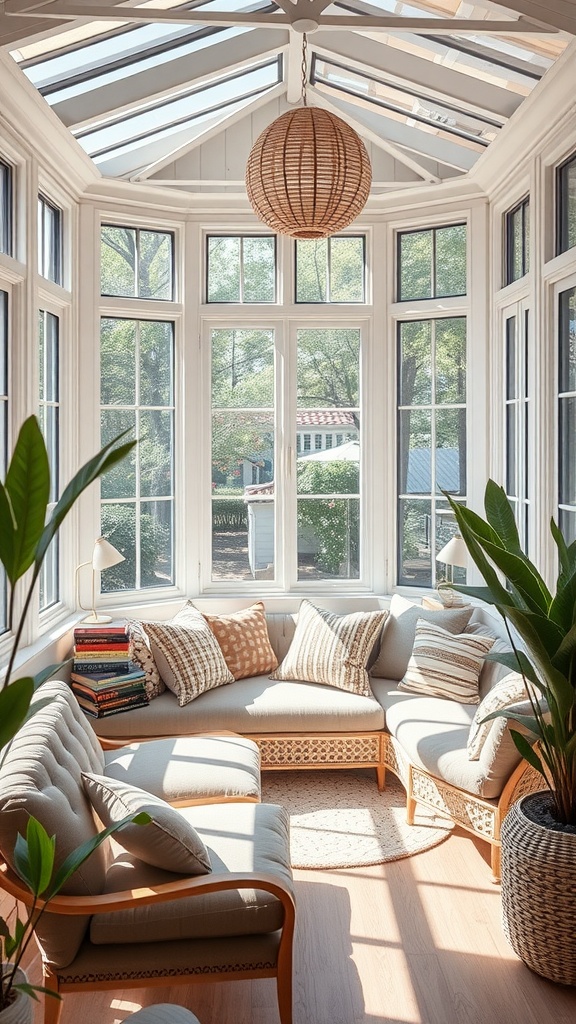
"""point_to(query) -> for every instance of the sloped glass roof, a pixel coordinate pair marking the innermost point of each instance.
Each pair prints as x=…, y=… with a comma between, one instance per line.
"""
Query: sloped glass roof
x=402, y=72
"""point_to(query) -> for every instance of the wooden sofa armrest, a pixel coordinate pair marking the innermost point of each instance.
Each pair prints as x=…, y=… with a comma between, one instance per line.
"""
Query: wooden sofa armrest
x=107, y=903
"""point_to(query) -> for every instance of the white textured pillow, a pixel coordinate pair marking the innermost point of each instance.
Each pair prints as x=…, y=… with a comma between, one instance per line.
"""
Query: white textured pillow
x=188, y=656
x=508, y=691
x=332, y=649
x=398, y=634
x=167, y=842
x=445, y=664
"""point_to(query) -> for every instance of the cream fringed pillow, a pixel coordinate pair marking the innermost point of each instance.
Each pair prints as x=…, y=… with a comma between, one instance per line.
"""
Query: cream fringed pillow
x=445, y=664
x=244, y=641
x=332, y=649
x=508, y=692
x=188, y=656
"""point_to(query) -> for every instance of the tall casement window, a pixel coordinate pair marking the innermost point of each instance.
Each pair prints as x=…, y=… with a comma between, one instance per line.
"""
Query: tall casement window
x=49, y=240
x=566, y=205
x=567, y=414
x=6, y=209
x=49, y=418
x=241, y=268
x=517, y=242
x=318, y=503
x=3, y=435
x=431, y=442
x=432, y=263
x=136, y=263
x=137, y=496
x=331, y=269
x=516, y=411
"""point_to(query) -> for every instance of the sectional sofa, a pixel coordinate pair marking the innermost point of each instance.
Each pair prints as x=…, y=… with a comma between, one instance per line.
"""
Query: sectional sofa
x=422, y=739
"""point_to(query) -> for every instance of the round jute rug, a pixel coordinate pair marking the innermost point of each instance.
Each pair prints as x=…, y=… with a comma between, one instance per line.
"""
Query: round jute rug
x=338, y=819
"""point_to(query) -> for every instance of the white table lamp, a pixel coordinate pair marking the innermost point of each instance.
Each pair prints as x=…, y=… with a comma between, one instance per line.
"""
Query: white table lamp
x=453, y=553
x=104, y=556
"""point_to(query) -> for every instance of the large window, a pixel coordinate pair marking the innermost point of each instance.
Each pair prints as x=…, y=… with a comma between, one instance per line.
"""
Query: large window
x=431, y=441
x=432, y=264
x=567, y=414
x=3, y=435
x=137, y=393
x=331, y=269
x=516, y=419
x=241, y=268
x=249, y=399
x=49, y=418
x=6, y=206
x=49, y=241
x=517, y=232
x=135, y=263
x=566, y=205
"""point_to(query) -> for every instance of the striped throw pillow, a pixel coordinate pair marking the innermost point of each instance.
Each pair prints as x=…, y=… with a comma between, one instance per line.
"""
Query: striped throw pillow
x=445, y=664
x=188, y=657
x=332, y=649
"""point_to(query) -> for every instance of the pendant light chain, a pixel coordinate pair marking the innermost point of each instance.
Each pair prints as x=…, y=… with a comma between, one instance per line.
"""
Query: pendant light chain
x=304, y=68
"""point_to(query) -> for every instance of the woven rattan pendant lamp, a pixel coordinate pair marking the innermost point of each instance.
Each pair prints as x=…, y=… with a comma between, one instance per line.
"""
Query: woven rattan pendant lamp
x=308, y=174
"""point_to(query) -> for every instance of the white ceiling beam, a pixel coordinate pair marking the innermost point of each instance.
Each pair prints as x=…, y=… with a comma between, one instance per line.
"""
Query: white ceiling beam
x=321, y=100
x=430, y=77
x=15, y=31
x=559, y=14
x=209, y=133
x=426, y=26
x=293, y=71
x=423, y=144
x=169, y=78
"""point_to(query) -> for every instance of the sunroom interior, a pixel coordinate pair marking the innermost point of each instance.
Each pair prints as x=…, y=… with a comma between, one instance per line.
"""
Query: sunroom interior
x=303, y=407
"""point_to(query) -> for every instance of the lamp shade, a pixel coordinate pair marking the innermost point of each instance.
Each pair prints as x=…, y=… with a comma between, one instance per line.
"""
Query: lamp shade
x=105, y=555
x=308, y=174
x=454, y=552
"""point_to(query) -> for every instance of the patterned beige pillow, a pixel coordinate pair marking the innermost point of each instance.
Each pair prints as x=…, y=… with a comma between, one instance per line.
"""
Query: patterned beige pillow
x=508, y=691
x=445, y=664
x=244, y=641
x=142, y=655
x=332, y=649
x=188, y=657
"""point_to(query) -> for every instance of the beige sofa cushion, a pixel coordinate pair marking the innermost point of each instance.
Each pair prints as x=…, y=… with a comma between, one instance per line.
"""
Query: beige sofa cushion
x=332, y=649
x=168, y=841
x=251, y=706
x=239, y=838
x=189, y=769
x=398, y=634
x=444, y=664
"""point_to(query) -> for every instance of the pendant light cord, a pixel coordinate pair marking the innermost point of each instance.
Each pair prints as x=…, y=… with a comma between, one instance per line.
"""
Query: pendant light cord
x=304, y=68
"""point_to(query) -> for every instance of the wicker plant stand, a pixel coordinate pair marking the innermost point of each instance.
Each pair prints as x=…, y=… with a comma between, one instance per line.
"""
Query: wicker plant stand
x=539, y=894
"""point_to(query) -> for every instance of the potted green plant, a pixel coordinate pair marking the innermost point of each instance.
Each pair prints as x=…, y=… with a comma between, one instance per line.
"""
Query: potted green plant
x=539, y=833
x=25, y=535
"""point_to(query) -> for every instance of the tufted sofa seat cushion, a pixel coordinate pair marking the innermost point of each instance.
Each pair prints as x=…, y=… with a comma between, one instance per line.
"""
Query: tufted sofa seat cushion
x=251, y=706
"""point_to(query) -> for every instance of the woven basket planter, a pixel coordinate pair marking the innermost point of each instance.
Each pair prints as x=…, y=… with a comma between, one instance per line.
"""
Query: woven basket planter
x=539, y=893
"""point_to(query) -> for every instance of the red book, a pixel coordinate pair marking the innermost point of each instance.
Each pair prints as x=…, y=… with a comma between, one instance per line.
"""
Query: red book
x=105, y=631
x=102, y=647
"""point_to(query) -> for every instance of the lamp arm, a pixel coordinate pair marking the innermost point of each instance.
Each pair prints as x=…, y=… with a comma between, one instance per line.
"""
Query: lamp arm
x=77, y=579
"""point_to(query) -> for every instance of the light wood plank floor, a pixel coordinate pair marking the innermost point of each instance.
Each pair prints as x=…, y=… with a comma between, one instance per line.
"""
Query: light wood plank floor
x=418, y=941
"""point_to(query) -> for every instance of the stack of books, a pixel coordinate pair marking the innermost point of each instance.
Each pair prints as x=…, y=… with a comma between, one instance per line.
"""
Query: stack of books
x=104, y=678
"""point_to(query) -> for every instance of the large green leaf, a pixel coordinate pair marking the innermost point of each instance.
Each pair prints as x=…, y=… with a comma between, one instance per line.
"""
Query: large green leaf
x=528, y=722
x=75, y=859
x=28, y=489
x=468, y=521
x=14, y=703
x=91, y=471
x=565, y=655
x=563, y=607
x=501, y=517
x=535, y=631
x=34, y=857
x=523, y=576
x=516, y=662
x=527, y=752
x=7, y=531
x=478, y=593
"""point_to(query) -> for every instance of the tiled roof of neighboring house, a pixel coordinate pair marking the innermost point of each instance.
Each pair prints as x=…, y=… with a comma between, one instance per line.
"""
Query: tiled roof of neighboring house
x=259, y=490
x=324, y=418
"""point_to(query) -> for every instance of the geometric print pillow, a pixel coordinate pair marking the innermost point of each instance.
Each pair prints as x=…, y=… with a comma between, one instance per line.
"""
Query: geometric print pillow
x=188, y=657
x=445, y=664
x=140, y=653
x=244, y=641
x=508, y=691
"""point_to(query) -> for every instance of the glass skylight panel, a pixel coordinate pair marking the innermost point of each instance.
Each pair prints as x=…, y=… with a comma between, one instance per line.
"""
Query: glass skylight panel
x=413, y=106
x=174, y=113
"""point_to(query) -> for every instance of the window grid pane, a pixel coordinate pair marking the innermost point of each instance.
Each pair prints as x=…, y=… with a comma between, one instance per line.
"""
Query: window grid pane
x=566, y=205
x=49, y=241
x=431, y=443
x=49, y=417
x=432, y=263
x=241, y=268
x=517, y=241
x=137, y=497
x=135, y=263
x=331, y=269
x=567, y=410
x=3, y=437
x=6, y=209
